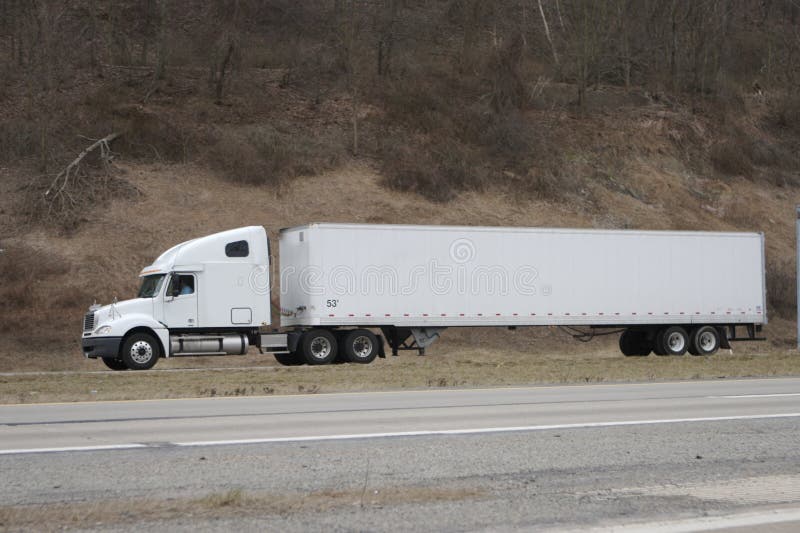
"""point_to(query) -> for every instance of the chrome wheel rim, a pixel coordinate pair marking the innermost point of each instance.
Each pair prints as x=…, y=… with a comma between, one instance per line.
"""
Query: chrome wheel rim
x=362, y=346
x=141, y=352
x=707, y=341
x=676, y=342
x=320, y=347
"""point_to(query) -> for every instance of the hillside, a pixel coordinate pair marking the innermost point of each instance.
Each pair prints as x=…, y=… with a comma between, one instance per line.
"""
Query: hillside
x=301, y=133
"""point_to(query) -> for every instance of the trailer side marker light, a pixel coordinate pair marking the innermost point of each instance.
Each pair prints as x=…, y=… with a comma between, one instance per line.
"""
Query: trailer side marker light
x=405, y=314
x=584, y=314
x=351, y=314
x=566, y=314
x=601, y=314
x=460, y=314
x=387, y=314
x=424, y=314
x=497, y=314
x=331, y=315
x=480, y=314
x=444, y=314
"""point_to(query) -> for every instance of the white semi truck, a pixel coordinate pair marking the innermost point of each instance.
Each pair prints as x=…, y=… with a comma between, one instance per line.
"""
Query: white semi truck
x=346, y=289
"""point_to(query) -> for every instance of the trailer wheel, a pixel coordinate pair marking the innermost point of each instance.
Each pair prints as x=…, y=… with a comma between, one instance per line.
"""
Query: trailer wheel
x=630, y=343
x=318, y=347
x=289, y=359
x=658, y=342
x=360, y=346
x=674, y=341
x=645, y=343
x=140, y=351
x=114, y=363
x=705, y=340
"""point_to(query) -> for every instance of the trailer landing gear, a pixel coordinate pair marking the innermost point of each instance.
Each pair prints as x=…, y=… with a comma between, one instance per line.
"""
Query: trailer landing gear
x=410, y=338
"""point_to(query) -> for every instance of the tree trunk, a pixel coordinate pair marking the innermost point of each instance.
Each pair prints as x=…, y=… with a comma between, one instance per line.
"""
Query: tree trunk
x=161, y=52
x=219, y=84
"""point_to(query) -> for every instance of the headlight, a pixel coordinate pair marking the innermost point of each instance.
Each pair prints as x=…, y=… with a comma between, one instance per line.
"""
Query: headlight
x=104, y=330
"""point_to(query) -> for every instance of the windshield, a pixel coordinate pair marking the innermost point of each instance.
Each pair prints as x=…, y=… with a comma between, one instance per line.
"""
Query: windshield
x=151, y=285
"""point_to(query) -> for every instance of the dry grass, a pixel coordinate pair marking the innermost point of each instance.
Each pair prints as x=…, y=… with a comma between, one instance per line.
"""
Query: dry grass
x=468, y=367
x=217, y=505
x=28, y=303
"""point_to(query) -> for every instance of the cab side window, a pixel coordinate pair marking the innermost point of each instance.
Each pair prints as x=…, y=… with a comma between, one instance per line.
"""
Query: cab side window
x=237, y=249
x=185, y=285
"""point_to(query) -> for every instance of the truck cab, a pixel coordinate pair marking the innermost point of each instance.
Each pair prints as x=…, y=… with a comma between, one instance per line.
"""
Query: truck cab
x=205, y=296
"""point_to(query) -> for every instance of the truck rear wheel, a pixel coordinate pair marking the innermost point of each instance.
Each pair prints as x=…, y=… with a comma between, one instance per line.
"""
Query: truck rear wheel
x=674, y=341
x=704, y=340
x=360, y=346
x=114, y=363
x=318, y=347
x=140, y=351
x=289, y=359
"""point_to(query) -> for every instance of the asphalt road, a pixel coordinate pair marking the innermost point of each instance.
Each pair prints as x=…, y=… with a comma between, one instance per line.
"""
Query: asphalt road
x=675, y=456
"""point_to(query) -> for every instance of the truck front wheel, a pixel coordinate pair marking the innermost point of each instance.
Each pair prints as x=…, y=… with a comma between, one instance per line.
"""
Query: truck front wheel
x=318, y=347
x=140, y=351
x=114, y=363
x=360, y=346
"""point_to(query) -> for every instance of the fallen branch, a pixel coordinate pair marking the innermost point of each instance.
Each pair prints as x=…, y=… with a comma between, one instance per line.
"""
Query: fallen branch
x=64, y=176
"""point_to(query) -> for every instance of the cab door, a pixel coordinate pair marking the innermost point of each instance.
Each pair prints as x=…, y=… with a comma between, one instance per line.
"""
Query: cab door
x=180, y=301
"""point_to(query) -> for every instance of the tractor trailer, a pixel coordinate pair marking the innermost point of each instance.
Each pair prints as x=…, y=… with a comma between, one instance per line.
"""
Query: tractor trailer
x=349, y=291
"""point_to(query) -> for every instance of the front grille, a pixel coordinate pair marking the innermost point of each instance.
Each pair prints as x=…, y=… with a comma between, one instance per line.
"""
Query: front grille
x=88, y=321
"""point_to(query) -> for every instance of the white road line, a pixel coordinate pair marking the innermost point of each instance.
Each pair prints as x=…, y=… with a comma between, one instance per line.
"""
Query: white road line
x=98, y=447
x=775, y=395
x=420, y=433
x=476, y=431
x=707, y=523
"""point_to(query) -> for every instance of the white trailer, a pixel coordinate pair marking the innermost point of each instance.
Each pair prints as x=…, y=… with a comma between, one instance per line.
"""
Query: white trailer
x=667, y=292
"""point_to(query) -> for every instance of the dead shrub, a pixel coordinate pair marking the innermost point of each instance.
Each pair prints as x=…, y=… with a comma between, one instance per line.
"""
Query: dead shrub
x=19, y=140
x=437, y=171
x=263, y=155
x=730, y=157
x=781, y=287
x=88, y=188
x=422, y=104
x=785, y=114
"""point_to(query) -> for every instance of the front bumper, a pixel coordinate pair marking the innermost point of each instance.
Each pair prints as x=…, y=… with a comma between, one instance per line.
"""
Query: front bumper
x=94, y=347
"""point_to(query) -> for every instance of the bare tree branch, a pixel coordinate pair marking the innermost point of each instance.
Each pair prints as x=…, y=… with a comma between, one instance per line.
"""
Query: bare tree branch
x=69, y=171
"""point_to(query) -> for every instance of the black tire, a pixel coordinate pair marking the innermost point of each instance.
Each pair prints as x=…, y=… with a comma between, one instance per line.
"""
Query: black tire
x=692, y=350
x=629, y=343
x=360, y=346
x=657, y=342
x=674, y=341
x=645, y=343
x=705, y=340
x=318, y=347
x=289, y=359
x=140, y=351
x=114, y=363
